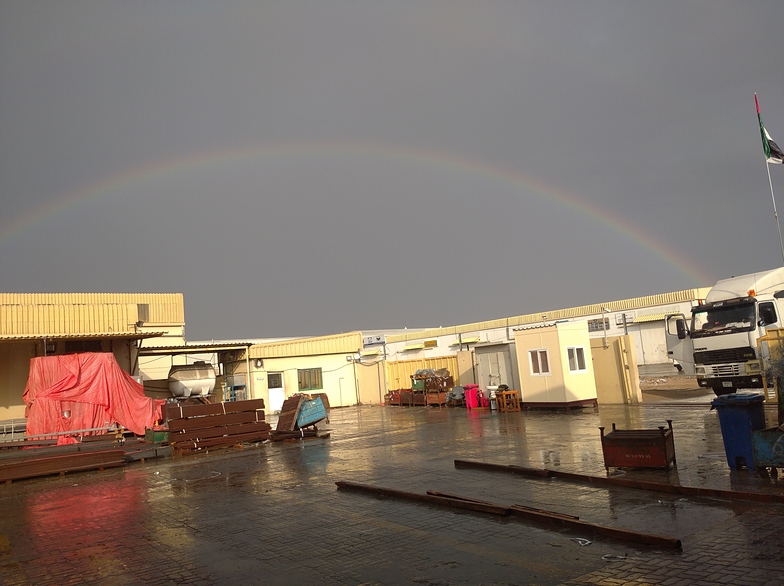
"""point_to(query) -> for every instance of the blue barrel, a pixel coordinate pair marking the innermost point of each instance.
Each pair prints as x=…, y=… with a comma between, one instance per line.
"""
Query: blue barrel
x=740, y=414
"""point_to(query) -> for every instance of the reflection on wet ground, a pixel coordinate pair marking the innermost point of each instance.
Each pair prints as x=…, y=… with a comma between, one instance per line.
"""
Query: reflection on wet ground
x=270, y=513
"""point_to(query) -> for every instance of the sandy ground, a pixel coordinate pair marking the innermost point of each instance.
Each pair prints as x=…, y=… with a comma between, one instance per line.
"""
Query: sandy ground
x=680, y=382
x=677, y=388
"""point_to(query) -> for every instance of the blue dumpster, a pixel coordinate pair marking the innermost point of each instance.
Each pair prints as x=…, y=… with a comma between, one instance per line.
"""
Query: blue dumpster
x=740, y=414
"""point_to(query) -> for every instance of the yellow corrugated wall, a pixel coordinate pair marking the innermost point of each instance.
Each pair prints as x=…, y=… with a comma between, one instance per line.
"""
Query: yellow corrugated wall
x=84, y=313
x=348, y=343
x=399, y=373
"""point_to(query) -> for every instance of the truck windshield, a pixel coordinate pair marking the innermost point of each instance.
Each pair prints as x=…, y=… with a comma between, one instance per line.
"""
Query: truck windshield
x=711, y=321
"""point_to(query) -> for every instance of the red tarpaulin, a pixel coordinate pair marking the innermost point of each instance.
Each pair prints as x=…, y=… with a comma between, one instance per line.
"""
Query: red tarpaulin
x=85, y=391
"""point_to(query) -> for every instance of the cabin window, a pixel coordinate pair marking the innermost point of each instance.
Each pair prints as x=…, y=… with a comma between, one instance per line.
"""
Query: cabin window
x=576, y=358
x=539, y=362
x=309, y=379
x=767, y=313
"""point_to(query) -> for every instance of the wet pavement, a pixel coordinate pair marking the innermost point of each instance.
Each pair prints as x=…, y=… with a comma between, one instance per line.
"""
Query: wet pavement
x=271, y=513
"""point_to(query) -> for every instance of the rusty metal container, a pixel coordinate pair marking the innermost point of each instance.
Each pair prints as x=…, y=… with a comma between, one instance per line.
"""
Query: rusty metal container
x=639, y=448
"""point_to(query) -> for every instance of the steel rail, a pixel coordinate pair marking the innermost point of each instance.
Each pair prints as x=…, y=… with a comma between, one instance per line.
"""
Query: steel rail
x=625, y=482
x=515, y=511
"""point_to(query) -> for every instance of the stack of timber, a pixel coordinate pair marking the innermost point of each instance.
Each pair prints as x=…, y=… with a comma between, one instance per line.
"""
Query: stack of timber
x=299, y=415
x=214, y=425
x=42, y=447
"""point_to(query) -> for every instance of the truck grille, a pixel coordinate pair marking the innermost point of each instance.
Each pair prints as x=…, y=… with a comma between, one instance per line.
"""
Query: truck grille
x=723, y=370
x=724, y=356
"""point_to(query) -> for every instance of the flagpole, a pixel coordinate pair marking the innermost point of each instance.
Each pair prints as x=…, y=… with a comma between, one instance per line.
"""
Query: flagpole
x=766, y=147
x=775, y=213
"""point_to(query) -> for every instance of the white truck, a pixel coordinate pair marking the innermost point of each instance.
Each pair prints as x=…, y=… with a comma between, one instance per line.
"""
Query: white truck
x=719, y=342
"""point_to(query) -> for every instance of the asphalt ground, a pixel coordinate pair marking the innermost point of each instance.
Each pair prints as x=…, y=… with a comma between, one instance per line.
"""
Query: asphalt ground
x=271, y=513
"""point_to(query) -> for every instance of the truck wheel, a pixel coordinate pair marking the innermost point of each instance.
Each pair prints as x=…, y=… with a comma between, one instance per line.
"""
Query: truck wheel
x=720, y=390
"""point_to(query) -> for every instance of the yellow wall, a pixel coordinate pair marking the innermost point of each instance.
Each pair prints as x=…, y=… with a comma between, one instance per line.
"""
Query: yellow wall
x=371, y=380
x=615, y=371
x=533, y=388
x=29, y=314
x=399, y=373
x=465, y=368
x=14, y=369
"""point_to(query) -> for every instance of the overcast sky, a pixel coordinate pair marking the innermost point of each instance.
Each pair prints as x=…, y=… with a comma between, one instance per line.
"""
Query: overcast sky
x=305, y=168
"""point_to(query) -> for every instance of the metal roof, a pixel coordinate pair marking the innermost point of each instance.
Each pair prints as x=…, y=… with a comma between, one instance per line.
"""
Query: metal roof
x=193, y=348
x=347, y=343
x=646, y=318
x=91, y=336
x=559, y=314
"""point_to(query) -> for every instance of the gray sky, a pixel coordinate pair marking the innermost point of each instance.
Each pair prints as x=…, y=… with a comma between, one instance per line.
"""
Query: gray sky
x=305, y=168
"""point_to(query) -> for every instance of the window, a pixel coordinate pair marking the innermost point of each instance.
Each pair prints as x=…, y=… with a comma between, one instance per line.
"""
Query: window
x=576, y=359
x=143, y=311
x=599, y=325
x=767, y=313
x=275, y=380
x=540, y=365
x=309, y=379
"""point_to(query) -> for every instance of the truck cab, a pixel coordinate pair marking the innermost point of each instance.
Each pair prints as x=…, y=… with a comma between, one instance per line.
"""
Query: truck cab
x=718, y=342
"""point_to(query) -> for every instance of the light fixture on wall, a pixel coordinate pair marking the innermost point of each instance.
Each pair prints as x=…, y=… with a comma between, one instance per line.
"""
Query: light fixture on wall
x=258, y=363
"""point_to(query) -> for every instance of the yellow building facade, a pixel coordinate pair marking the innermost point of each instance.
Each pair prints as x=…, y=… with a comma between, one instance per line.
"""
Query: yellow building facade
x=43, y=324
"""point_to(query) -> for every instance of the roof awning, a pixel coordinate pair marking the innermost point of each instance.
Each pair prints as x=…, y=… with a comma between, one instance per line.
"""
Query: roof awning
x=376, y=352
x=418, y=346
x=192, y=349
x=72, y=336
x=646, y=318
x=471, y=340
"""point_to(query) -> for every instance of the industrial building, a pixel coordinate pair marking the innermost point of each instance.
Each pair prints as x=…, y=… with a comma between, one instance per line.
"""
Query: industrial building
x=42, y=324
x=146, y=333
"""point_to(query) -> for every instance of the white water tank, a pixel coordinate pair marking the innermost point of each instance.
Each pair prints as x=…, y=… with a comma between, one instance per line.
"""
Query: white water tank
x=192, y=380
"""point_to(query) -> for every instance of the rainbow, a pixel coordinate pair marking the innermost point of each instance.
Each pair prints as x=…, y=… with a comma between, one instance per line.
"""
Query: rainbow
x=406, y=155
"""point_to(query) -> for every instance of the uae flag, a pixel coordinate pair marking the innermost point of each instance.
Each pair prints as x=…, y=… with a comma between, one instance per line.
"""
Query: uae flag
x=772, y=151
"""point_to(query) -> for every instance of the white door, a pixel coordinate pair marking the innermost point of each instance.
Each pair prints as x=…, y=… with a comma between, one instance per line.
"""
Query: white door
x=679, y=347
x=276, y=393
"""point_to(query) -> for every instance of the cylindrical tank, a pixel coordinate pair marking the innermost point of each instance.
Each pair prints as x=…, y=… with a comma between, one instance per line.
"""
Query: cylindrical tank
x=186, y=380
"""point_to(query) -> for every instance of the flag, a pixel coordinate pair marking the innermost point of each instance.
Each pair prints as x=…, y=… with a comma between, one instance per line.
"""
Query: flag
x=772, y=151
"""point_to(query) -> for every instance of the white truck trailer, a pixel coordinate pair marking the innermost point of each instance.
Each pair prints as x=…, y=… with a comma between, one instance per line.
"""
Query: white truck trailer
x=719, y=342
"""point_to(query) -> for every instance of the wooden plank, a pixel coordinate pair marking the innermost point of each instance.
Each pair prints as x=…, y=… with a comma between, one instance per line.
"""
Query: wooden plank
x=148, y=452
x=176, y=425
x=287, y=420
x=276, y=435
x=33, y=467
x=180, y=411
x=219, y=431
x=222, y=441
